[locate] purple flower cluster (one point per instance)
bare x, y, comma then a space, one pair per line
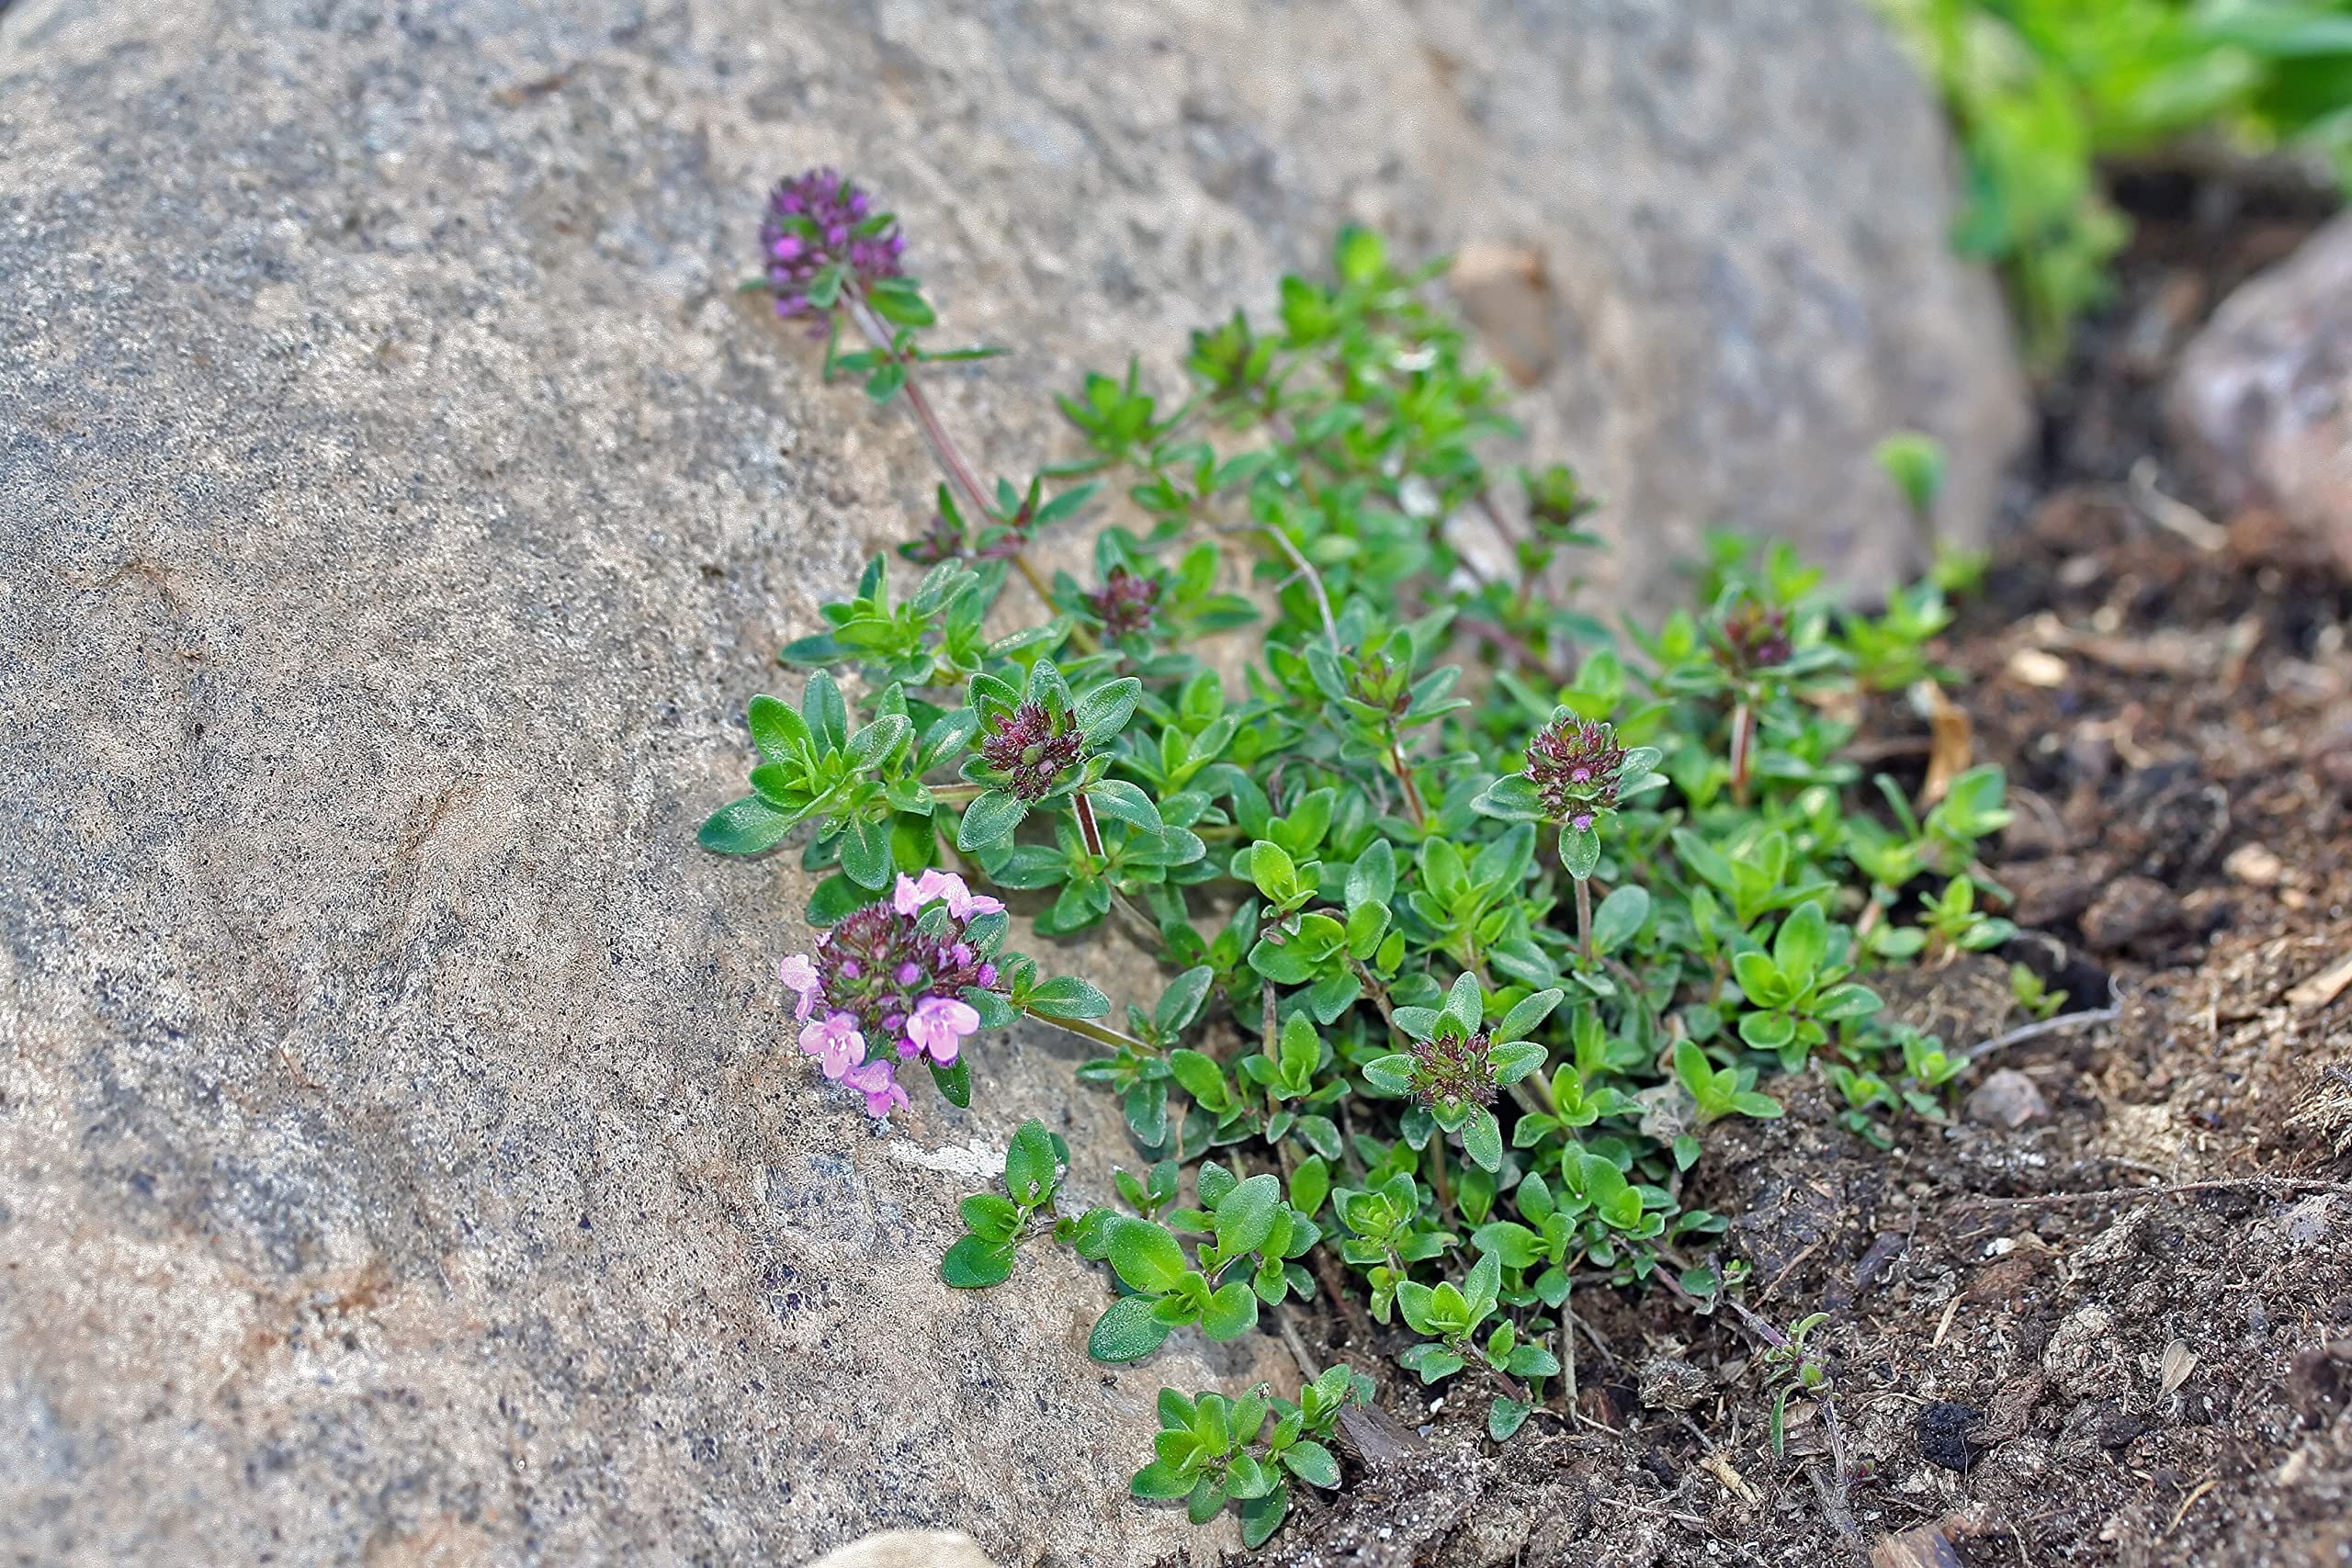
1752, 637
1027, 749
814, 222
1125, 604
1450, 1069
879, 976
1575, 764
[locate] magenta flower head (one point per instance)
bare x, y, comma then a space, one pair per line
1752, 637
1028, 751
818, 222
1576, 765
891, 978
1452, 1068
1127, 603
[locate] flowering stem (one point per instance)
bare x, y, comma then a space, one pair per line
1087, 1029
949, 456
956, 794
1413, 807
1743, 725
1282, 542
1087, 828
1584, 918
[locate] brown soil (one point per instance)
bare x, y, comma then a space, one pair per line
2120, 1331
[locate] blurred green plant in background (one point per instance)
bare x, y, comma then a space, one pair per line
2040, 90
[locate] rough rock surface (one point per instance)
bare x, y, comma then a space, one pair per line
2262, 401
401, 1160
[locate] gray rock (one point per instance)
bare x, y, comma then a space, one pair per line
2262, 399
403, 1154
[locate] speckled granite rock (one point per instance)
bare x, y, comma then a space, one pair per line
2262, 401
401, 1160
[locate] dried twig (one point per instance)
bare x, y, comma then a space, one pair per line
2280, 1185
2065, 1021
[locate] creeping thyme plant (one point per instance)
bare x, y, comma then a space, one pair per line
1474, 914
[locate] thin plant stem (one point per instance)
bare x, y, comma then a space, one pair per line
1413, 807
1743, 735
1087, 828
951, 459
1306, 570
1087, 1029
1584, 918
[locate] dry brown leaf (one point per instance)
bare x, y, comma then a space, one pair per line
2178, 1362
2322, 987
1954, 743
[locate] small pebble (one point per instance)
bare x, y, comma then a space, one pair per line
2254, 865
2007, 1098
2038, 667
2130, 909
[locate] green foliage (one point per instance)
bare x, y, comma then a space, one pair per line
995, 1228
1790, 1368
1212, 1450
1463, 1038
2039, 90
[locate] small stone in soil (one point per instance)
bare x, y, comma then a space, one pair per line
1670, 1383
2007, 1098
2130, 909
2254, 865
1943, 1433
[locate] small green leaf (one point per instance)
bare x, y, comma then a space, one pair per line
989, 1217
887, 381
1030, 1168
1145, 1255
745, 827
1181, 1003
1482, 1138
1127, 1332
1310, 1184
1245, 1216
1232, 1310
1161, 1482
974, 1264
953, 1083
1505, 1416
1620, 917
780, 734
1313, 1463
1262, 1516
1119, 801
1066, 996
990, 820
1103, 712
1579, 851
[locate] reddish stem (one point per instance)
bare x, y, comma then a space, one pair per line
1743, 734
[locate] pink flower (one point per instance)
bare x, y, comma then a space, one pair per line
881, 1087
915, 892
801, 975
834, 1042
963, 903
939, 1025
